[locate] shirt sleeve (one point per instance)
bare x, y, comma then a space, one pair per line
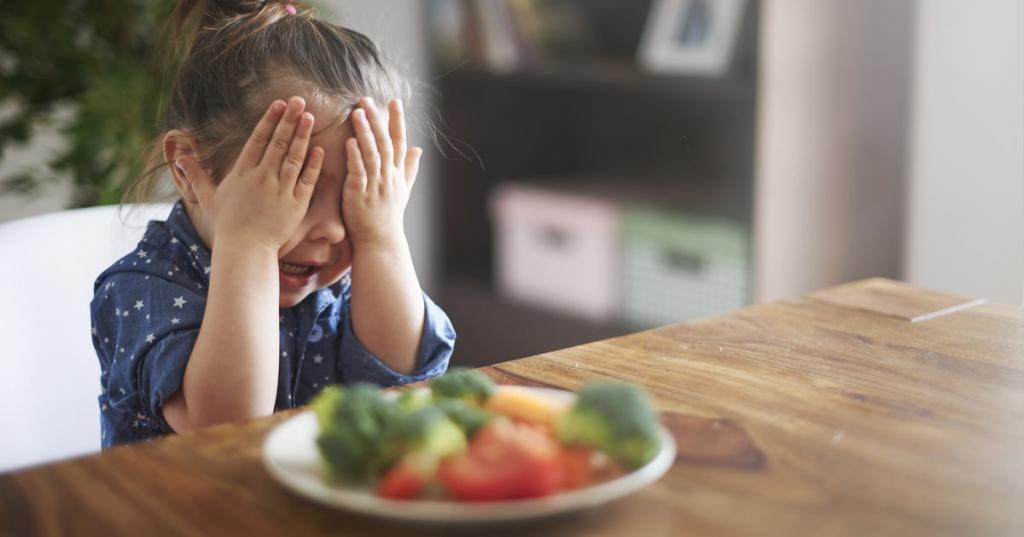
147, 327
357, 364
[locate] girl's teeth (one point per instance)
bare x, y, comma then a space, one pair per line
295, 270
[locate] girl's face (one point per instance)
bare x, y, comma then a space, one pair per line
320, 252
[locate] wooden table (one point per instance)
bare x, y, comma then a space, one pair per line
867, 409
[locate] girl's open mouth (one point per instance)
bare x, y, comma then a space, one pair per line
295, 270
294, 275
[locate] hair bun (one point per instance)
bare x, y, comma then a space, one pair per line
214, 13
231, 9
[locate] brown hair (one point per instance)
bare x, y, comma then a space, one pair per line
235, 53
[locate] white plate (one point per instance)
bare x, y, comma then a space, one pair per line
290, 455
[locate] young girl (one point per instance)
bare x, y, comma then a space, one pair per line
284, 266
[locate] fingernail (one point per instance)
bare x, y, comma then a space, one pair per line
369, 100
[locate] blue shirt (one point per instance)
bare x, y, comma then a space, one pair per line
147, 309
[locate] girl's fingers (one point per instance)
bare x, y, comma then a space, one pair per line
380, 132
292, 165
281, 140
412, 164
370, 157
356, 180
306, 183
256, 145
397, 127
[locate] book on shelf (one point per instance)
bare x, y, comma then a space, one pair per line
505, 35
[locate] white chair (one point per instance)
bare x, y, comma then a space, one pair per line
49, 373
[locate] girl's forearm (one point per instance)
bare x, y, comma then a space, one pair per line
387, 303
232, 372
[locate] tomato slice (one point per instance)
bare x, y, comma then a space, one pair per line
577, 471
407, 477
505, 460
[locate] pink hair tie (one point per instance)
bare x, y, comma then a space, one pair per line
289, 7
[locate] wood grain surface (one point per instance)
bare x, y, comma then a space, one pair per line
799, 417
890, 298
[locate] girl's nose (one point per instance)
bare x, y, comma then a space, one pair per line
327, 224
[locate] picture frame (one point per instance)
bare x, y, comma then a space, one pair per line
692, 37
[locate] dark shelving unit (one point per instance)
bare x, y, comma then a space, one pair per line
687, 141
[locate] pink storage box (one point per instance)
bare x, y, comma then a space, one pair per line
557, 250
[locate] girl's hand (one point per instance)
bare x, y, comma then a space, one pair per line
264, 197
381, 172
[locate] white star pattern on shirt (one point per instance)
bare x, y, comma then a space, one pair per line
142, 253
130, 331
124, 313
95, 331
104, 407
174, 240
117, 312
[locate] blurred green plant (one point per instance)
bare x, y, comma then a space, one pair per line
103, 59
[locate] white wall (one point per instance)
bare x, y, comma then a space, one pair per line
965, 216
831, 157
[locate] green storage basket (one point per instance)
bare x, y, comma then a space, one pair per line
677, 268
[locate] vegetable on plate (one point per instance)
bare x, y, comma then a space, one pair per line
466, 439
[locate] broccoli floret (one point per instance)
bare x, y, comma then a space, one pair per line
462, 383
469, 418
325, 403
426, 430
413, 399
352, 423
616, 418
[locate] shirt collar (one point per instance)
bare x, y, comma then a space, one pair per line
183, 231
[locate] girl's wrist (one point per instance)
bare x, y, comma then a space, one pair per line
395, 242
241, 249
